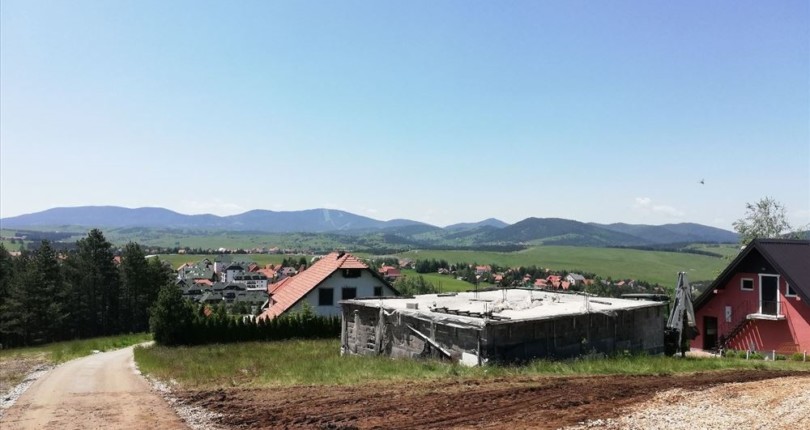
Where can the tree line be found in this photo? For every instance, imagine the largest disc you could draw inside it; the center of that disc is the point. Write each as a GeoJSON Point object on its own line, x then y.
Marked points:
{"type": "Point", "coordinates": [176, 321]}
{"type": "Point", "coordinates": [46, 296]}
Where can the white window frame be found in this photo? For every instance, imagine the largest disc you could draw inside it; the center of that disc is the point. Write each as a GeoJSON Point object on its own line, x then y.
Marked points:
{"type": "Point", "coordinates": [742, 283]}
{"type": "Point", "coordinates": [778, 302]}
{"type": "Point", "coordinates": [789, 290]}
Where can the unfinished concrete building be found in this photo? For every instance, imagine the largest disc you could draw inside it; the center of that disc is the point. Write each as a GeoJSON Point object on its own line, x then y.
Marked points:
{"type": "Point", "coordinates": [500, 326]}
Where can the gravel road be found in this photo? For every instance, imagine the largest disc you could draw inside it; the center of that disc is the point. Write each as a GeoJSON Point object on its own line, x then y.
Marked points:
{"type": "Point", "coordinates": [94, 392]}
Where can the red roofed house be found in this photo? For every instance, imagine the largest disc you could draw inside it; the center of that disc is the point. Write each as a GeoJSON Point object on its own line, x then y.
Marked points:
{"type": "Point", "coordinates": [390, 273]}
{"type": "Point", "coordinates": [335, 277]}
{"type": "Point", "coordinates": [482, 270]}
{"type": "Point", "coordinates": [761, 301]}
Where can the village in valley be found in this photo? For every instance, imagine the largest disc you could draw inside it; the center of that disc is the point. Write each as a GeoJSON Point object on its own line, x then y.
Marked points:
{"type": "Point", "coordinates": [550, 215]}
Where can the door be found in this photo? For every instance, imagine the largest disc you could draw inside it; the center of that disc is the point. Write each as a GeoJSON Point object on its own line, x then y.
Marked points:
{"type": "Point", "coordinates": [709, 332]}
{"type": "Point", "coordinates": [768, 294]}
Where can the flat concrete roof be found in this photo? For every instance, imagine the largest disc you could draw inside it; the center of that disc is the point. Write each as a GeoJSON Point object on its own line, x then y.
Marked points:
{"type": "Point", "coordinates": [501, 306]}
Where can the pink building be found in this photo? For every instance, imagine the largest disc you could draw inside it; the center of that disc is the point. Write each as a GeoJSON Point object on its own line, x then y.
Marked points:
{"type": "Point", "coordinates": [761, 301]}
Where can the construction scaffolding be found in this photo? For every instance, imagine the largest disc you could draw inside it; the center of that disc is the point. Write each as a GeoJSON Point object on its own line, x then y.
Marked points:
{"type": "Point", "coordinates": [500, 326]}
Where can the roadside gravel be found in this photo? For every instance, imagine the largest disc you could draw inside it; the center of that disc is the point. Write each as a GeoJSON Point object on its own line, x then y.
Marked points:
{"type": "Point", "coordinates": [781, 403]}
{"type": "Point", "coordinates": [195, 417]}
{"type": "Point", "coordinates": [11, 396]}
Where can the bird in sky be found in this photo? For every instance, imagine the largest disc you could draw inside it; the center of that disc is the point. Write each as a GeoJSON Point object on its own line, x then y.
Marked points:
{"type": "Point", "coordinates": [702, 183]}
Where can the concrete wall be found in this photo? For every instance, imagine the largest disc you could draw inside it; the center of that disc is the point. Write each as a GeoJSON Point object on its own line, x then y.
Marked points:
{"type": "Point", "coordinates": [634, 330]}
{"type": "Point", "coordinates": [363, 335]}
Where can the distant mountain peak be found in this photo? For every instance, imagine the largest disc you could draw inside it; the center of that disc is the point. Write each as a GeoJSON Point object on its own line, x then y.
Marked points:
{"type": "Point", "coordinates": [489, 222]}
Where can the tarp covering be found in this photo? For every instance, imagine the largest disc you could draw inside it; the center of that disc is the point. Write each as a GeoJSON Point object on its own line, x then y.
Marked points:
{"type": "Point", "coordinates": [682, 317]}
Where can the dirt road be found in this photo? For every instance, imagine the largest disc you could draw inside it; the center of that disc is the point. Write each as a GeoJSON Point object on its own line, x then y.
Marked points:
{"type": "Point", "coordinates": [94, 392]}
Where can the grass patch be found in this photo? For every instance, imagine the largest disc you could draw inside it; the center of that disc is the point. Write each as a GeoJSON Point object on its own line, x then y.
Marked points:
{"type": "Point", "coordinates": [60, 352]}
{"type": "Point", "coordinates": [318, 362]}
{"type": "Point", "coordinates": [444, 283]}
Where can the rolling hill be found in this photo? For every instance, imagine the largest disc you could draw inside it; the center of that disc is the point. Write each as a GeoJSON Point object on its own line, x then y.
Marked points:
{"type": "Point", "coordinates": [310, 221]}
{"type": "Point", "coordinates": [354, 230]}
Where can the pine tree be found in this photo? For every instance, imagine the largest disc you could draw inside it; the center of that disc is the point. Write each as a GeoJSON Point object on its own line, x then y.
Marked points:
{"type": "Point", "coordinates": [32, 312]}
{"type": "Point", "coordinates": [94, 287]}
{"type": "Point", "coordinates": [172, 317]}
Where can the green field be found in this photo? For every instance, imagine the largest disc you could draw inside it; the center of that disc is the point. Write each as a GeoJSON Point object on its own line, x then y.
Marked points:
{"type": "Point", "coordinates": [444, 283]}
{"type": "Point", "coordinates": [176, 260]}
{"type": "Point", "coordinates": [651, 266]}
{"type": "Point", "coordinates": [297, 362]}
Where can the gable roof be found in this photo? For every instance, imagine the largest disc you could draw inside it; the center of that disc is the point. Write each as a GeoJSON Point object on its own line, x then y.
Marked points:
{"type": "Point", "coordinates": [287, 295]}
{"type": "Point", "coordinates": [790, 258]}
{"type": "Point", "coordinates": [272, 288]}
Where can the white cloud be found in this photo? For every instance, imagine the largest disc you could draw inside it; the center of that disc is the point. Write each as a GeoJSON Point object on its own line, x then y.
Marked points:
{"type": "Point", "coordinates": [645, 206]}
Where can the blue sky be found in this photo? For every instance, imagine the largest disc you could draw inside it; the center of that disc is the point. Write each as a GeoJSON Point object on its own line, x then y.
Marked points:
{"type": "Point", "coordinates": [441, 112]}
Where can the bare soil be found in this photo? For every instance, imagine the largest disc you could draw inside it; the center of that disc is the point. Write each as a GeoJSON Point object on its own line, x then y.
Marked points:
{"type": "Point", "coordinates": [514, 403]}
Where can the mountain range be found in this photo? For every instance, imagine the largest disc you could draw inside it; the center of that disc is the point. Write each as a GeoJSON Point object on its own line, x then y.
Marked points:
{"type": "Point", "coordinates": [549, 231]}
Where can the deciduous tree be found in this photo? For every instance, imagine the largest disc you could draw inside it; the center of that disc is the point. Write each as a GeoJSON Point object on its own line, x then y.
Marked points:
{"type": "Point", "coordinates": [763, 219]}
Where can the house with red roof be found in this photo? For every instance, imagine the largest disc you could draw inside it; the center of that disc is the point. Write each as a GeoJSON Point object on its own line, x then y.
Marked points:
{"type": "Point", "coordinates": [390, 273]}
{"type": "Point", "coordinates": [335, 277]}
{"type": "Point", "coordinates": [483, 270]}
{"type": "Point", "coordinates": [760, 302]}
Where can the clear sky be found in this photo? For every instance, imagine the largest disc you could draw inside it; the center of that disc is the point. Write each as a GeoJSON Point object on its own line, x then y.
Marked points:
{"type": "Point", "coordinates": [441, 112]}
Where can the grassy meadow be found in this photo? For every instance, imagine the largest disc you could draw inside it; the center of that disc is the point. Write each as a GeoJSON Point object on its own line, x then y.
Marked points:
{"type": "Point", "coordinates": [318, 362]}
{"type": "Point", "coordinates": [59, 352]}
{"type": "Point", "coordinates": [176, 260]}
{"type": "Point", "coordinates": [651, 266]}
{"type": "Point", "coordinates": [445, 283]}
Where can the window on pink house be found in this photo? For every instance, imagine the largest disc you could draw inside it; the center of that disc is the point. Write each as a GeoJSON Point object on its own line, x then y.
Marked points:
{"type": "Point", "coordinates": [789, 291]}
{"type": "Point", "coordinates": [747, 284]}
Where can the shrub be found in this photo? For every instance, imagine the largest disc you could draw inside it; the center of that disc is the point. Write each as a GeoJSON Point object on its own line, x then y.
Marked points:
{"type": "Point", "coordinates": [731, 353]}
{"type": "Point", "coordinates": [797, 356]}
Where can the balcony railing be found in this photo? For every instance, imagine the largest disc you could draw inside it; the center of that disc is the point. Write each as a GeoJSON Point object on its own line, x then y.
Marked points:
{"type": "Point", "coordinates": [768, 309]}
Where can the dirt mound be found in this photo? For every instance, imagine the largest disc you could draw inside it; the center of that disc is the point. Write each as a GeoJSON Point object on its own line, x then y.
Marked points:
{"type": "Point", "coordinates": [536, 403]}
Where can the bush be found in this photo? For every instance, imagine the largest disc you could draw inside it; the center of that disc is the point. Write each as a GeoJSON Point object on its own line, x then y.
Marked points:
{"type": "Point", "coordinates": [797, 356]}
{"type": "Point", "coordinates": [756, 356]}
{"type": "Point", "coordinates": [175, 322]}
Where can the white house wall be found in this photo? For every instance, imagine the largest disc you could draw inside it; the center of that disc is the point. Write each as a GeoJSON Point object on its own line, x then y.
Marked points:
{"type": "Point", "coordinates": [365, 288]}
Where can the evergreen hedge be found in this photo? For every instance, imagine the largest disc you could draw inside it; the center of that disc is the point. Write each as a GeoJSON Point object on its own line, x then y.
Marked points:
{"type": "Point", "coordinates": [178, 322]}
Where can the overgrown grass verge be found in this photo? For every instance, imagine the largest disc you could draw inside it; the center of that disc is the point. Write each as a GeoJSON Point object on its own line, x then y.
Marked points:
{"type": "Point", "coordinates": [318, 362]}
{"type": "Point", "coordinates": [63, 351]}
{"type": "Point", "coordinates": [16, 363]}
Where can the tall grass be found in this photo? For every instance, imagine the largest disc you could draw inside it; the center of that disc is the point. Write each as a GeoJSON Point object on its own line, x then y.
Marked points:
{"type": "Point", "coordinates": [318, 362]}
{"type": "Point", "coordinates": [63, 351]}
